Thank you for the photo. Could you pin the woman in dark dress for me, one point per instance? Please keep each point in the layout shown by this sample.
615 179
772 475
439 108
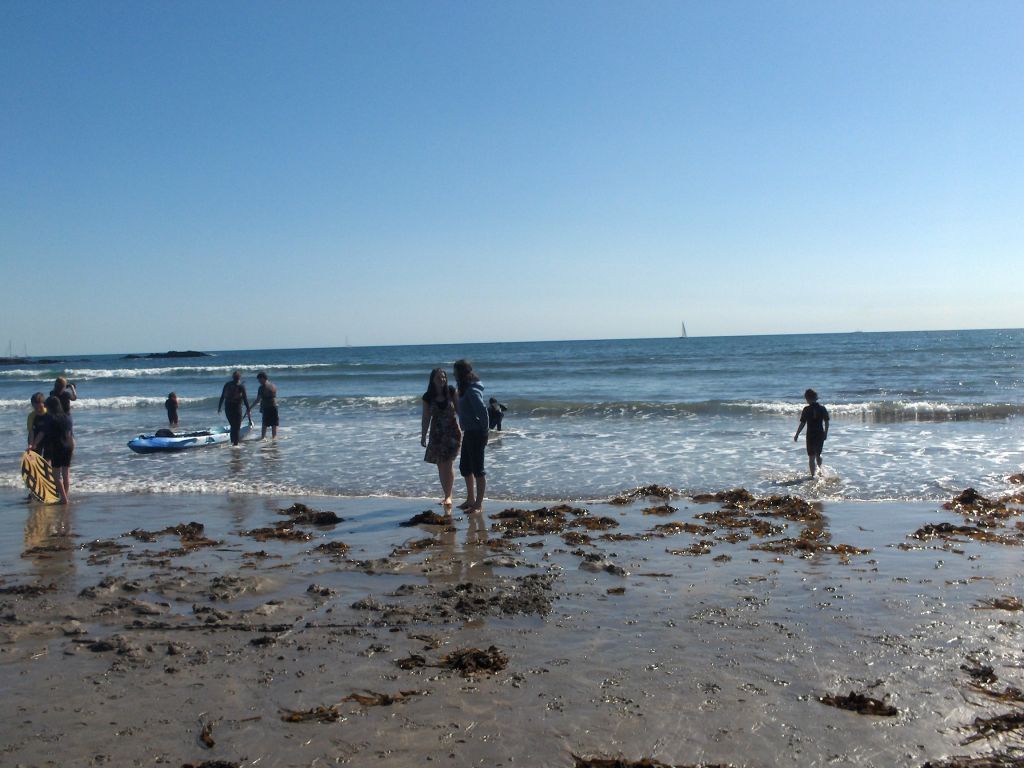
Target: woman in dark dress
59 441
441 425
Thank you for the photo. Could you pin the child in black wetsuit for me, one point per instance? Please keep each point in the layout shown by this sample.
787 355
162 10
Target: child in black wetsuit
815 418
495 413
172 409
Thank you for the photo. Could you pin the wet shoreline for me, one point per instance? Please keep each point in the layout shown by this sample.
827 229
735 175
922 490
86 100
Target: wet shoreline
658 628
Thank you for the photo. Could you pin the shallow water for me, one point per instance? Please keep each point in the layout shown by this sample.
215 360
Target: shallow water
915 416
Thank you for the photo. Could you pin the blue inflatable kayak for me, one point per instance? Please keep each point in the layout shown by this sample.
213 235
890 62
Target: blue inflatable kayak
165 440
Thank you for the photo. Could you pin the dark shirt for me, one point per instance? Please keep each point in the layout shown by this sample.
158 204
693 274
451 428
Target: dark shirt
65 398
814 416
57 428
171 406
233 395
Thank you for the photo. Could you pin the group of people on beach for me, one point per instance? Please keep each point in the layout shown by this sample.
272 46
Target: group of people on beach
51 432
454 424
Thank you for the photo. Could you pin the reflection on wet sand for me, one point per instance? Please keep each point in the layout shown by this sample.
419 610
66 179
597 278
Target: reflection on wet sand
48 539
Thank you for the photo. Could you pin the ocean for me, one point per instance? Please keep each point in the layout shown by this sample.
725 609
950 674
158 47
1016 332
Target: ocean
916 416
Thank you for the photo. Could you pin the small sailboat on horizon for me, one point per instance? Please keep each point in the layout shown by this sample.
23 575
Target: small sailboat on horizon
682 334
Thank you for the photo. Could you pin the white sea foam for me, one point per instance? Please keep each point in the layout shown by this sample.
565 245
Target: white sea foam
131 373
91 403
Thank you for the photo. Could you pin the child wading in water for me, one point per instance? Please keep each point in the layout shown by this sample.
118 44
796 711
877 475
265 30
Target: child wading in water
815 418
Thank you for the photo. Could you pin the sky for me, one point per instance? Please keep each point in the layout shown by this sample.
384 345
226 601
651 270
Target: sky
240 175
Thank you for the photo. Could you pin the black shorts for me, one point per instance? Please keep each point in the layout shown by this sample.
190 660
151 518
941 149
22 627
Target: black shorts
270 417
471 460
815 444
60 457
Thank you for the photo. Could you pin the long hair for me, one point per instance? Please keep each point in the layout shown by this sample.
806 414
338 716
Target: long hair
430 394
464 374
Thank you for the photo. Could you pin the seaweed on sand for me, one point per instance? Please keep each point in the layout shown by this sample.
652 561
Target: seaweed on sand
734 498
280 532
950 532
1010 694
970 502
373 699
644 491
993 760
469 661
985 727
981 673
859 703
321 714
644 762
427 517
300 513
661 509
1001 603
670 529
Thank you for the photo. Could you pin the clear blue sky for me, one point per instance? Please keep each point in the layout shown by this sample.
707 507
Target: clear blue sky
220 175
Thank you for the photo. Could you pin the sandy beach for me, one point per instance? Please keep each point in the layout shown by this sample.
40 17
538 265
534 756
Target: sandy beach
197 630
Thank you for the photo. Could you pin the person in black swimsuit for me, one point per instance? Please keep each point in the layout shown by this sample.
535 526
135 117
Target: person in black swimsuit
815 418
232 397
266 398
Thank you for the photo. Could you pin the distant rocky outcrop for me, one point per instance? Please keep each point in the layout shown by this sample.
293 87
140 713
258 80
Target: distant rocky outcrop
173 354
27 361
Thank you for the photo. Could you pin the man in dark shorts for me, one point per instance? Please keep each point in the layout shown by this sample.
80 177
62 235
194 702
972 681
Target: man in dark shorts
232 397
815 418
472 411
266 397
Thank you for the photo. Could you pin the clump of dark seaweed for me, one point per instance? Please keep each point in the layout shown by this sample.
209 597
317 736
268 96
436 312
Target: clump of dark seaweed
515 523
661 509
644 762
859 703
993 760
950 532
790 507
333 548
470 661
280 532
737 497
970 502
427 517
980 673
1001 603
985 727
372 699
676 527
644 491
321 714
300 513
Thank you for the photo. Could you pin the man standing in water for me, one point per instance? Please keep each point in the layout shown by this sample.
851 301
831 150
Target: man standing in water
472 412
815 418
266 398
231 399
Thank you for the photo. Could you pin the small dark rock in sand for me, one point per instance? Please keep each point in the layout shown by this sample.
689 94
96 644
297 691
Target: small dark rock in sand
1017 479
427 518
413 661
981 673
300 513
859 703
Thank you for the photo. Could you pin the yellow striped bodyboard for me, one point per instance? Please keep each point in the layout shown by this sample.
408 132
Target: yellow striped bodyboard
38 476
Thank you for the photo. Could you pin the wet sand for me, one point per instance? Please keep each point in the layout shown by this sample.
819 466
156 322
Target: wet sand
601 635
